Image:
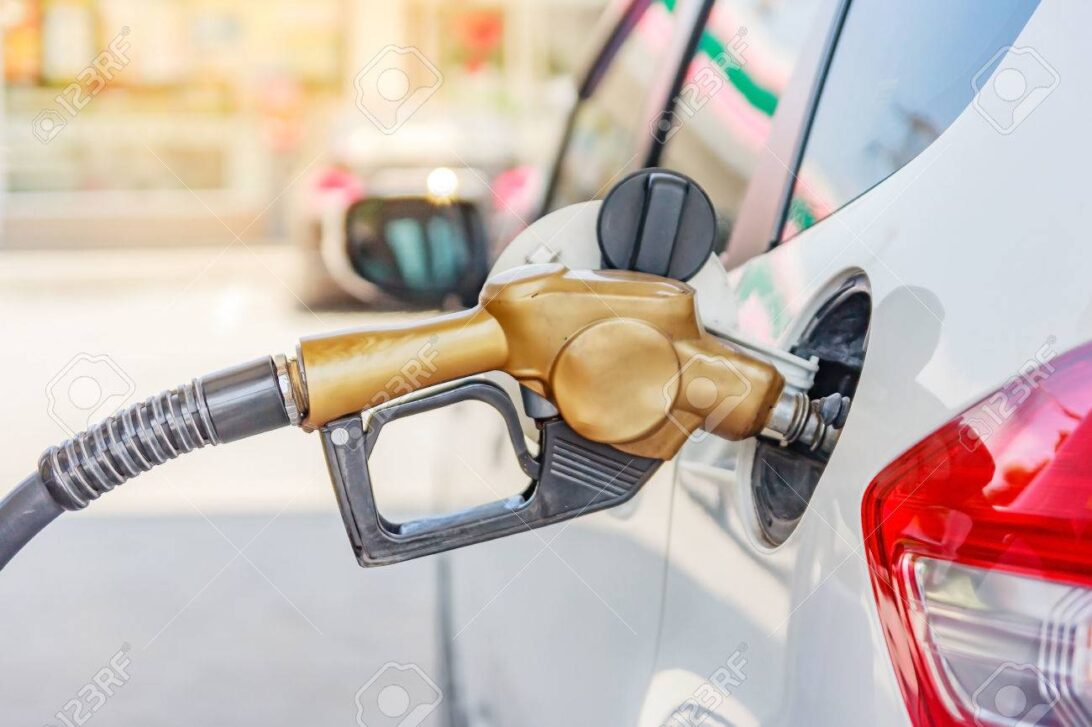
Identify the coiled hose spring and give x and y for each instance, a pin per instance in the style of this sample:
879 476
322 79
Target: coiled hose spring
221 407
126 444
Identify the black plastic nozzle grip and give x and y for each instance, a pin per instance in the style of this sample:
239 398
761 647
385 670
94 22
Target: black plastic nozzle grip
571 477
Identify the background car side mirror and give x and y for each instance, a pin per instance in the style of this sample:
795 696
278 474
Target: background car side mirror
421 250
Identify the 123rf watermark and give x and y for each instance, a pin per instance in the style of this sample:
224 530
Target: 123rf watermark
394 85
987 417
1011 85
398 695
88 388
697 383
1015 694
93 696
708 697
708 81
413 375
90 81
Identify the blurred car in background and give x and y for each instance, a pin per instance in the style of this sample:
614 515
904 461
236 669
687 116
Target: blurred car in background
463 170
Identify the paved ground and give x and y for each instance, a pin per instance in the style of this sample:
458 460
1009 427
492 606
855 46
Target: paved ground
285 633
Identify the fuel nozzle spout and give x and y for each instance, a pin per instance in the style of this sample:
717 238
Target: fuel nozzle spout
814 424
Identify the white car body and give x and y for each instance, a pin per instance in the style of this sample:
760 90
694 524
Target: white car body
621 617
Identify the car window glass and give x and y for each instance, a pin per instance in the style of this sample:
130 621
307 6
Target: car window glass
900 75
609 128
722 114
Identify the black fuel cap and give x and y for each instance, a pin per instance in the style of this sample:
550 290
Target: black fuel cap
657 221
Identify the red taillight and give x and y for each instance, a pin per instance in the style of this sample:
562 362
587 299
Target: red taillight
979 543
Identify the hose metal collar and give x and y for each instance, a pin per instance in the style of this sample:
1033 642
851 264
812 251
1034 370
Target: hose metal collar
288 393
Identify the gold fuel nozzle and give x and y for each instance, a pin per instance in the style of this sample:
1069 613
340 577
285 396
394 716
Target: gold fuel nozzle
622 355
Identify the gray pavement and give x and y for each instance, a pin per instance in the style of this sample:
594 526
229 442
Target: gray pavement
284 634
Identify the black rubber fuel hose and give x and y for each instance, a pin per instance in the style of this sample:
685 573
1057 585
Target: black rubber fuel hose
222 407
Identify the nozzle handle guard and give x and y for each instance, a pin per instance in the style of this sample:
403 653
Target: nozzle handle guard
571 476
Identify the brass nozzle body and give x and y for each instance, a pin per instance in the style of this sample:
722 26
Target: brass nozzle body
622 355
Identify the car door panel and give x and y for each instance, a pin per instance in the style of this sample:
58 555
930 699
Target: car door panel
558 625
966 290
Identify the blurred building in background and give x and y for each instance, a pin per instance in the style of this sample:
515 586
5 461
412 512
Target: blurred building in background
191 121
